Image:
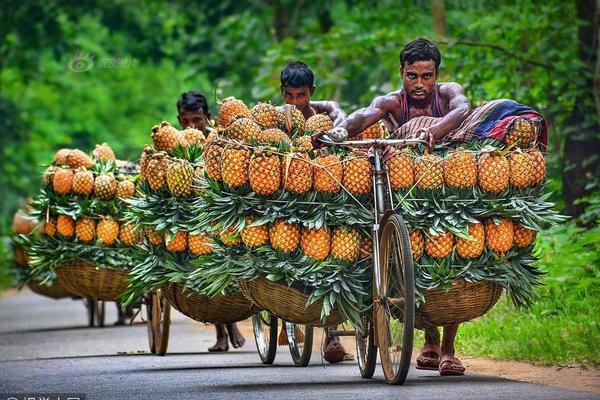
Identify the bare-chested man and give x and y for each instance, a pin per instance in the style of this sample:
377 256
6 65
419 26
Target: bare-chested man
421 95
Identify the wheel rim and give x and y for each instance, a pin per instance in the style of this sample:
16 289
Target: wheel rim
264 324
159 322
148 305
365 349
300 342
395 320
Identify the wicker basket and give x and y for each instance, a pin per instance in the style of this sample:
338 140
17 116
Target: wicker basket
89 282
287 303
55 291
463 302
219 309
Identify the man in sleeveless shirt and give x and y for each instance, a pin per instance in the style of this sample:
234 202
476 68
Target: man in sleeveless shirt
297 87
420 96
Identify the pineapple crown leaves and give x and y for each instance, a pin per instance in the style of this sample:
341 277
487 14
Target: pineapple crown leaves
191 153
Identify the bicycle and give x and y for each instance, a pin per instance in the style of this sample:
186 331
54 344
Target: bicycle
391 326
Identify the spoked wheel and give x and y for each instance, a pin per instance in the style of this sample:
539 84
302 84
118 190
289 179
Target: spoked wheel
366 351
300 340
91 311
265 335
99 312
394 305
159 321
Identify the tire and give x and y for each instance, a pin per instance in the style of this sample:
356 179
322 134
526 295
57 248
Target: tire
265 335
99 307
159 323
366 351
91 311
394 308
301 350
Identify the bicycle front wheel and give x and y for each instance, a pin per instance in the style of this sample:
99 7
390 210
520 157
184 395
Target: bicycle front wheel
300 340
265 335
394 307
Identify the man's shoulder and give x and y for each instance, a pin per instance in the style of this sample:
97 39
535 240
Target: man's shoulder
450 88
389 100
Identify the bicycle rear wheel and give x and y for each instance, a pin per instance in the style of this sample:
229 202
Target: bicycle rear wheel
366 351
394 307
158 322
300 341
265 335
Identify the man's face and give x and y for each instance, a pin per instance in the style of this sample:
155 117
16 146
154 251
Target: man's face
418 79
300 97
192 119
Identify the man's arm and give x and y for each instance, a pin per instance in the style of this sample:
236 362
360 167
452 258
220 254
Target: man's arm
458 107
332 109
361 119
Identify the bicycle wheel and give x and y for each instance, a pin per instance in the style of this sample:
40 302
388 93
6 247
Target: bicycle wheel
99 312
265 335
394 306
366 351
300 341
91 311
158 323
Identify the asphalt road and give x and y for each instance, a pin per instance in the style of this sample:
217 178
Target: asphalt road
45 347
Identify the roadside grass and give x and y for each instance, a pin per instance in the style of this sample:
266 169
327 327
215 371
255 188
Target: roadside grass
5 261
563 326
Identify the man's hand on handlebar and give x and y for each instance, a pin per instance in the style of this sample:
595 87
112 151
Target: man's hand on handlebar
335 134
425 134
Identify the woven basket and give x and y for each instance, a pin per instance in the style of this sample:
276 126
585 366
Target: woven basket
219 309
287 303
56 291
89 282
463 302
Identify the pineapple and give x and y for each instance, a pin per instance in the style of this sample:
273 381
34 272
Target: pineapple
254 236
273 136
492 170
417 244
83 182
264 173
520 166
125 189
316 243
107 231
244 129
538 175
472 248
375 131
234 166
153 237
266 115
84 229
200 245
22 224
291 120
303 143
357 174
366 248
401 171
212 158
192 137
105 186
439 246
524 237
328 173
21 257
521 133
65 226
62 181
50 227
284 236
297 173
127 235
500 237
198 181
156 171
164 137
460 169
318 123
103 152
178 242
77 159
429 172
144 160
48 176
61 156
230 107
345 243
230 237
179 178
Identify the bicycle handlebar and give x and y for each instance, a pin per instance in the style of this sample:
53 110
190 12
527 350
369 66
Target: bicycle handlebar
371 142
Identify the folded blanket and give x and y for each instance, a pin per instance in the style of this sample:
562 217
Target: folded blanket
490 120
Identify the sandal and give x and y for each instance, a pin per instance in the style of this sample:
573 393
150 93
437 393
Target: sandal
334 353
429 363
450 365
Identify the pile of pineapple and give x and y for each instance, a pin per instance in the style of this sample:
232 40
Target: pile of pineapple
80 206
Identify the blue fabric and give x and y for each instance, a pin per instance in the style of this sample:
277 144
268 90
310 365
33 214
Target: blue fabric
504 109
